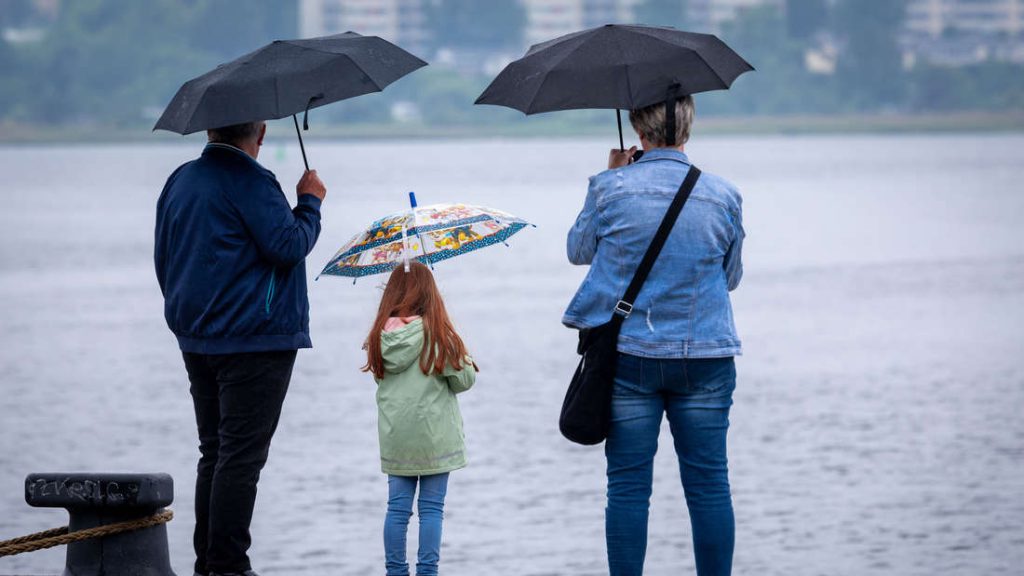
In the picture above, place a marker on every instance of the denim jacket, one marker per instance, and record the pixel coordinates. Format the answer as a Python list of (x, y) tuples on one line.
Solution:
[(683, 310)]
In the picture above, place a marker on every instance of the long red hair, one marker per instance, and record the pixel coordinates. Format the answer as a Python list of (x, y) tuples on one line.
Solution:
[(414, 293)]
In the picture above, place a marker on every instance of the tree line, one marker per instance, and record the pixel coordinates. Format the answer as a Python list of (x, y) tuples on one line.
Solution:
[(118, 62)]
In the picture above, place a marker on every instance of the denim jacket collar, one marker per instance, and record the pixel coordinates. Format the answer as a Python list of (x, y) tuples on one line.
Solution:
[(664, 154)]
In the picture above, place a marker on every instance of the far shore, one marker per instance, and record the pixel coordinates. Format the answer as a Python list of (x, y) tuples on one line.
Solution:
[(11, 133)]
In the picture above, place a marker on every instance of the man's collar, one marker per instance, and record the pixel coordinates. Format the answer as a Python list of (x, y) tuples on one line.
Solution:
[(232, 149)]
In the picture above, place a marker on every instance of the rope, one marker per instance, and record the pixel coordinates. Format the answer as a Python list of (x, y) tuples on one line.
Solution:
[(61, 536)]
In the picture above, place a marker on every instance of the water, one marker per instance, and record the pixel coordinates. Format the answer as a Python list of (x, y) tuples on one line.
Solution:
[(876, 429)]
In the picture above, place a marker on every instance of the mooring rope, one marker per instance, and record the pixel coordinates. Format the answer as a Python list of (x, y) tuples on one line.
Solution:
[(61, 536)]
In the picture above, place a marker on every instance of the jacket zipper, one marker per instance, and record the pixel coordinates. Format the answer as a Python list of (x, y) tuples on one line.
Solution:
[(270, 290)]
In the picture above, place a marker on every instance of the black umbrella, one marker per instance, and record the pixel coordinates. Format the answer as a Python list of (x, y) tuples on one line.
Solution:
[(284, 78), (615, 66)]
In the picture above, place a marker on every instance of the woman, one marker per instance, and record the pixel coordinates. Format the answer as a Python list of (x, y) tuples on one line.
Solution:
[(676, 347)]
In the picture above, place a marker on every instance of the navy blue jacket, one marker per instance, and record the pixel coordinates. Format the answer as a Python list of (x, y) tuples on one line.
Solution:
[(230, 255)]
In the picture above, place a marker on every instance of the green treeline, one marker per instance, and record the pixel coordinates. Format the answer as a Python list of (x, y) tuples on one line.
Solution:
[(118, 62), (869, 71)]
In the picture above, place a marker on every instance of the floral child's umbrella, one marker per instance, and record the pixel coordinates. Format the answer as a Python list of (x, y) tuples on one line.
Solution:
[(428, 234)]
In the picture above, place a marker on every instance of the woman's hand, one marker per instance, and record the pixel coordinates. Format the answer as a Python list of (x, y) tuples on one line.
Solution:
[(619, 158)]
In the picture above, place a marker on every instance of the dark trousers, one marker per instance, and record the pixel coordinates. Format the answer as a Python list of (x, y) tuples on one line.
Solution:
[(238, 400)]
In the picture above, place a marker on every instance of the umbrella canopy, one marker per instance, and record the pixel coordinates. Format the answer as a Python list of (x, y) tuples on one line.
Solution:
[(428, 234), (616, 67), (284, 78)]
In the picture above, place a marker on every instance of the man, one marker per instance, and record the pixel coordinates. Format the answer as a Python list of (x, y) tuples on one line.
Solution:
[(230, 257)]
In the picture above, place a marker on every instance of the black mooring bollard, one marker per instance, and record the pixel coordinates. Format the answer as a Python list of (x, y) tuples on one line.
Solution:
[(98, 499)]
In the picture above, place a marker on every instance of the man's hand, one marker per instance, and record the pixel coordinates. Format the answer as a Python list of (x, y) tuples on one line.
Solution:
[(310, 184), (619, 158)]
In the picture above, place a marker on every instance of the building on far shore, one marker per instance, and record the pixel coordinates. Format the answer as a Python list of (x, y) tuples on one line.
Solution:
[(710, 15), (548, 19), (940, 32), (403, 22), (964, 32), (939, 17)]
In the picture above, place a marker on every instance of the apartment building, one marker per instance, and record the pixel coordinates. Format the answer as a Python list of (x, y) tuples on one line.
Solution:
[(405, 21), (546, 19), (937, 17), (709, 15), (400, 21)]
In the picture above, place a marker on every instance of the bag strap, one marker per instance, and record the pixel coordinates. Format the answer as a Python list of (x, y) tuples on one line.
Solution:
[(625, 306)]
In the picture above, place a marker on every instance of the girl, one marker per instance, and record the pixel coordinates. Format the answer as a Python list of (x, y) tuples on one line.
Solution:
[(420, 364)]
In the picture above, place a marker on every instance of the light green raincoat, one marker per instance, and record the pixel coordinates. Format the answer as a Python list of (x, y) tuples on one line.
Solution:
[(418, 418)]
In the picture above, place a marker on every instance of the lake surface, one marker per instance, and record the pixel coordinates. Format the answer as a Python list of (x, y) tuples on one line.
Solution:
[(877, 426)]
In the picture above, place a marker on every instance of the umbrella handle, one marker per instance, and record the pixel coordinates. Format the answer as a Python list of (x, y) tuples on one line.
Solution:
[(618, 116), (301, 145)]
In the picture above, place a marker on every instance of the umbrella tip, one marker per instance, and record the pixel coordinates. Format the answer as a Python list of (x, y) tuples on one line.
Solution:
[(412, 199)]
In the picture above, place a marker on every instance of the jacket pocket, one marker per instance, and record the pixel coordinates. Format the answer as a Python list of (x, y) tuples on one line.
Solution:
[(270, 291)]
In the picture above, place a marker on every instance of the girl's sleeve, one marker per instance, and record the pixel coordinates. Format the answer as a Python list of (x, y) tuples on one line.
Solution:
[(462, 379)]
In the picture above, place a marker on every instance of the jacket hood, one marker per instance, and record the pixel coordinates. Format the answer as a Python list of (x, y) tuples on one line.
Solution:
[(402, 347)]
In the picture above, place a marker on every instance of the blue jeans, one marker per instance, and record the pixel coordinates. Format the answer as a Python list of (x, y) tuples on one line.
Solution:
[(696, 394), (431, 512)]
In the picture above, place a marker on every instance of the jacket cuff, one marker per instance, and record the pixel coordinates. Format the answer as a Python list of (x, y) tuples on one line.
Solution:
[(310, 200)]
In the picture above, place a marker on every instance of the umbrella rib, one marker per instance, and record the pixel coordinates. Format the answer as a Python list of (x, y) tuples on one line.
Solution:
[(629, 85), (548, 75), (311, 49), (706, 63), (292, 43), (629, 88), (188, 128), (715, 72), (712, 68), (277, 98), (350, 59), (423, 247)]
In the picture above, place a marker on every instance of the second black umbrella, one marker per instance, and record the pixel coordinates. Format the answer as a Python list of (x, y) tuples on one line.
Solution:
[(616, 67)]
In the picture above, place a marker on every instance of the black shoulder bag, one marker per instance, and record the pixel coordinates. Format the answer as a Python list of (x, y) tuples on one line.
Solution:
[(586, 411)]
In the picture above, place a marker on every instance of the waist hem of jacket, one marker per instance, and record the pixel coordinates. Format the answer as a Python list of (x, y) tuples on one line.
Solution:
[(421, 471), (670, 349), (241, 344)]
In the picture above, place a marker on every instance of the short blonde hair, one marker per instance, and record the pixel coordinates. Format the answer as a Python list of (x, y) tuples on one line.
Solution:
[(649, 122)]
